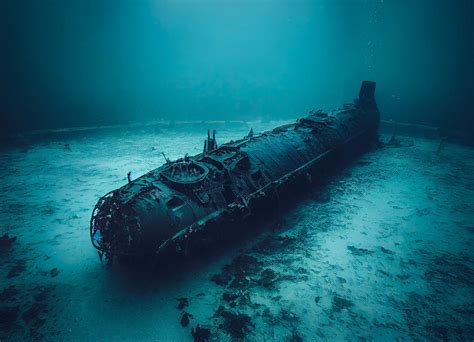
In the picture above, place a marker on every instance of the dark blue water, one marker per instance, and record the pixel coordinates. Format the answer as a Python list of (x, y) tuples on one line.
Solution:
[(83, 63), (93, 90)]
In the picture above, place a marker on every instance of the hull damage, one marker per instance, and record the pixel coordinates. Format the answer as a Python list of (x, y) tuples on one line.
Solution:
[(190, 200)]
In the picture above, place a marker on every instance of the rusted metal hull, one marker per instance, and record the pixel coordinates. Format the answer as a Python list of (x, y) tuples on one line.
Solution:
[(191, 199)]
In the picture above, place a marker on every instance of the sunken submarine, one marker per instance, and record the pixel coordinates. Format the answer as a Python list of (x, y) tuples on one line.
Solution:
[(188, 201)]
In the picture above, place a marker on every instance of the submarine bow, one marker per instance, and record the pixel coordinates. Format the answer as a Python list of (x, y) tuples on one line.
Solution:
[(190, 200)]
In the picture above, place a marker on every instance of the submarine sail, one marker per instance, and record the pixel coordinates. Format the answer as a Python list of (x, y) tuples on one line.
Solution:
[(191, 199)]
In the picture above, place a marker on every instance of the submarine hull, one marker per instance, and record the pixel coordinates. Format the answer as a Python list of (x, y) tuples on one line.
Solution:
[(193, 199)]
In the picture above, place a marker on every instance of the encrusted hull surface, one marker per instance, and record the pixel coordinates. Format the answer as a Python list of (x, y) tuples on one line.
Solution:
[(190, 199)]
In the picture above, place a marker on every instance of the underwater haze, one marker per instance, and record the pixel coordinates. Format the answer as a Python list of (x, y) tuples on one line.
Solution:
[(83, 63), (374, 240)]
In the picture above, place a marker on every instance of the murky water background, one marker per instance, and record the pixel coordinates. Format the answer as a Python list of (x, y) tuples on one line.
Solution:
[(383, 251)]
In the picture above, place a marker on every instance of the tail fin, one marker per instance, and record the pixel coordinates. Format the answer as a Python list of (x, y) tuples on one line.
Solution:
[(367, 101), (367, 96), (367, 91)]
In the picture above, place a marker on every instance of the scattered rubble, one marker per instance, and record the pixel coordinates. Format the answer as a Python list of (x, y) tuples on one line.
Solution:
[(200, 334), (236, 324)]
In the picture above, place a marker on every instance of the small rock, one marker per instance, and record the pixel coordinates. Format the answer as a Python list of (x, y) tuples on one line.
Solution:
[(54, 272), (359, 251), (339, 303), (342, 280), (384, 273), (185, 319), (182, 303), (387, 251)]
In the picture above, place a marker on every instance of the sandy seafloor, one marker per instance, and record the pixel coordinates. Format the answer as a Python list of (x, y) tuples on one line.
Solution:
[(384, 251)]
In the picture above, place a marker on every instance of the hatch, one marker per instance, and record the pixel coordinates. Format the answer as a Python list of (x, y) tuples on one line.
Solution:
[(185, 172)]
